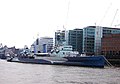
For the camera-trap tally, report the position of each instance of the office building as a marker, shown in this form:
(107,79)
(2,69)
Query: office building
(59,37)
(42,45)
(74,38)
(110,46)
(88,40)
(70,37)
(92,36)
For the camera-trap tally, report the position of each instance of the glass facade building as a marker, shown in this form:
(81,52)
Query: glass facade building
(71,37)
(92,36)
(59,37)
(85,41)
(108,31)
(88,40)
(75,39)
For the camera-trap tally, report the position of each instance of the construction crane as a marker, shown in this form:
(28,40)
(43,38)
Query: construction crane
(107,10)
(117,25)
(114,17)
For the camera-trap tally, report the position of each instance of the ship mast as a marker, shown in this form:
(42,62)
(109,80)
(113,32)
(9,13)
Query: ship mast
(67,16)
(64,26)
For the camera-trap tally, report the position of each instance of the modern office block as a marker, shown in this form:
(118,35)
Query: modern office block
(75,37)
(41,45)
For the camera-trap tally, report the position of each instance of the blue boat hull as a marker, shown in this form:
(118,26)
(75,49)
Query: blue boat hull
(88,61)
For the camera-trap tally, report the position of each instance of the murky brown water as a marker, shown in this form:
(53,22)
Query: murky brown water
(19,73)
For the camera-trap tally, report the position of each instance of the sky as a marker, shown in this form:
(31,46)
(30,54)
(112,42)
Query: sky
(22,21)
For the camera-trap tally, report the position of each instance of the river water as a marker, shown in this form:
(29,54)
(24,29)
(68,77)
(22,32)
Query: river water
(19,73)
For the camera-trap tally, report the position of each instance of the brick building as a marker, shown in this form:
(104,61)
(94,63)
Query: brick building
(111,46)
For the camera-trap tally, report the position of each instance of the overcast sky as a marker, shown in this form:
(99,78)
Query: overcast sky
(22,20)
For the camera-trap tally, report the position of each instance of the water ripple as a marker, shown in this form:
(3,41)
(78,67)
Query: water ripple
(19,73)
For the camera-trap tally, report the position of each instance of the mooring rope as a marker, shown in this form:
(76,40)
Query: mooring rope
(108,63)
